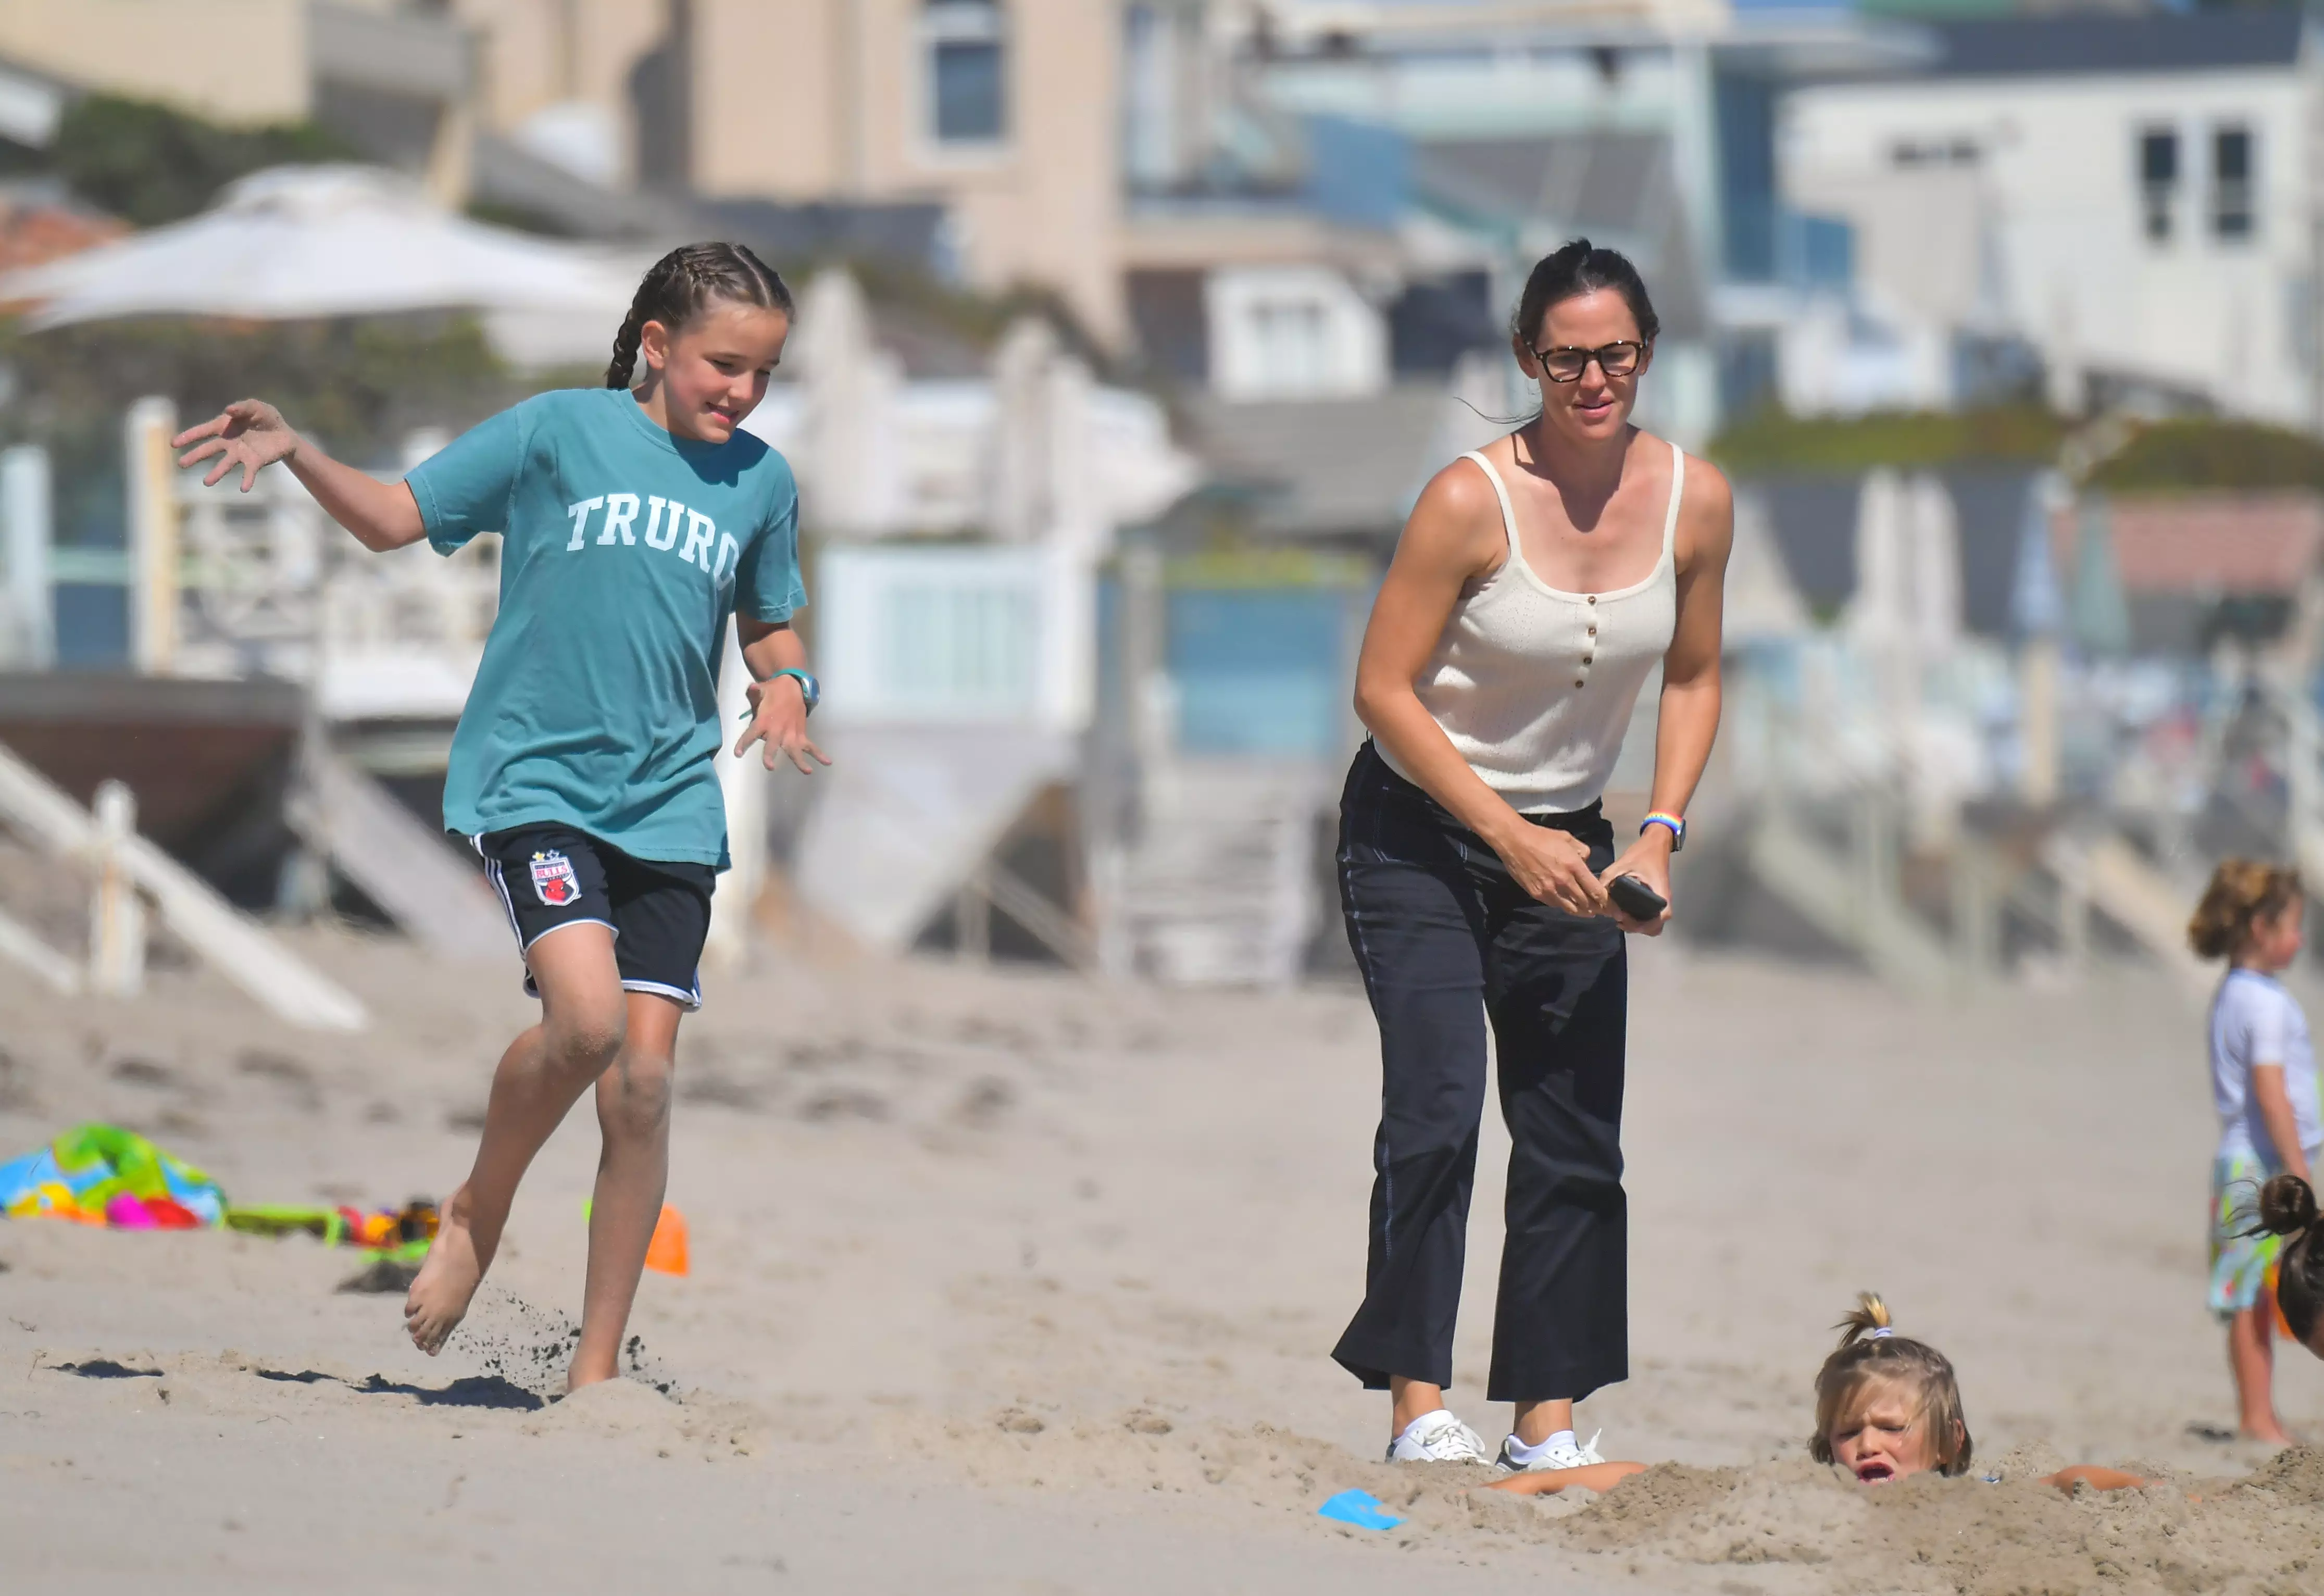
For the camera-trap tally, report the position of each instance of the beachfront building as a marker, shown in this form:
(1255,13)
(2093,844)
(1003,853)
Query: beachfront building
(396,82)
(2130,197)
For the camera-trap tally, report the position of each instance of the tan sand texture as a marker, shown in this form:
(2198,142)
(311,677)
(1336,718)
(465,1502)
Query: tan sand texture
(1013,1282)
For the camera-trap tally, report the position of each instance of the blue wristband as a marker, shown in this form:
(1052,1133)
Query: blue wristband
(810,689)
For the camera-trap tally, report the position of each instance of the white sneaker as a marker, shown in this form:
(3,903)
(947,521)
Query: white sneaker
(1567,1456)
(1437,1438)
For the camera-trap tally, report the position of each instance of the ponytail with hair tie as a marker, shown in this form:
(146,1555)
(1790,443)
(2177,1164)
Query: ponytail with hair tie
(2287,1207)
(1867,1321)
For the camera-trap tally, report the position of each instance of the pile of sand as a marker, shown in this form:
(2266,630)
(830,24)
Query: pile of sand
(2261,1536)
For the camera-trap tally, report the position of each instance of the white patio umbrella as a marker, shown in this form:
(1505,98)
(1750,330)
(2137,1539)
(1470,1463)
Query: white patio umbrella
(296,241)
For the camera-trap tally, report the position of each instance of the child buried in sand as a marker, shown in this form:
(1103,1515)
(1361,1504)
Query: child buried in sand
(1887,1406)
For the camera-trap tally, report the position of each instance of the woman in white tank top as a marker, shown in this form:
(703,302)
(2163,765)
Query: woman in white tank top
(1538,583)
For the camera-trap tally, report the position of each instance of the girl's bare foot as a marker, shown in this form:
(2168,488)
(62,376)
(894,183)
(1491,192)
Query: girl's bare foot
(2273,1434)
(449,1277)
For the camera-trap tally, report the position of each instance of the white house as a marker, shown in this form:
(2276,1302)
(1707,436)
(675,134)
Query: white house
(2131,195)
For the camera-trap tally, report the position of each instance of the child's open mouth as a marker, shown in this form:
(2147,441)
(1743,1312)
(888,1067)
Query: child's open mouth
(1876,1472)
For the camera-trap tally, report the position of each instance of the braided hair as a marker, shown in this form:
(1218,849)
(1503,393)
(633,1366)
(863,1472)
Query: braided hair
(684,283)
(1870,1352)
(2287,1207)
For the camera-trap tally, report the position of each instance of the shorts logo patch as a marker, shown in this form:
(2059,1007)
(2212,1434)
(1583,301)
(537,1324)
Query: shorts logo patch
(553,881)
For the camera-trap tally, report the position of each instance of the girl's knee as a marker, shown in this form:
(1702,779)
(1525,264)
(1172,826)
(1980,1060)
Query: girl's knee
(588,1041)
(634,1097)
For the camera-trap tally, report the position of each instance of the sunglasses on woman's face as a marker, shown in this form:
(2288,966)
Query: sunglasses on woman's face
(1564,364)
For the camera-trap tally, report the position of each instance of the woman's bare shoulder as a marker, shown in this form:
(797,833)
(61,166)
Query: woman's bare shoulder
(1706,511)
(1462,488)
(1457,517)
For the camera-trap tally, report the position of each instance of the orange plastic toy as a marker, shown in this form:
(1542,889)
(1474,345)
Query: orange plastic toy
(667,1250)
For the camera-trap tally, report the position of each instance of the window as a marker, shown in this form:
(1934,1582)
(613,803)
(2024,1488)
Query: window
(2158,180)
(2231,182)
(966,70)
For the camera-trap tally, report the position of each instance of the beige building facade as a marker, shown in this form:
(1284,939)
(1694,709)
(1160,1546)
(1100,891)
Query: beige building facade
(396,80)
(1004,111)
(234,60)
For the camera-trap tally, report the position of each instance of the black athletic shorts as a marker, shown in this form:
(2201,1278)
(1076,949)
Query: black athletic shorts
(658,909)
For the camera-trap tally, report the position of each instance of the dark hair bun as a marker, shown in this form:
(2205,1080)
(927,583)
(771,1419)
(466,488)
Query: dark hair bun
(2287,1205)
(1578,267)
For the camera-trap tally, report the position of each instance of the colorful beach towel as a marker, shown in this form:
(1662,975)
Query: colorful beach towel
(103,1175)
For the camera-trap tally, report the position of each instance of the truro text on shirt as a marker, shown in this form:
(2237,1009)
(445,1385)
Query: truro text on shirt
(619,525)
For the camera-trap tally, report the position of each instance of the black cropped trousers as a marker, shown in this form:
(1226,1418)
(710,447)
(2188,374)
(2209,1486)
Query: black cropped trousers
(1446,940)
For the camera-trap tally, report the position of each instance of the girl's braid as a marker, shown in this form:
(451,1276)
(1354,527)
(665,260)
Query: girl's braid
(681,283)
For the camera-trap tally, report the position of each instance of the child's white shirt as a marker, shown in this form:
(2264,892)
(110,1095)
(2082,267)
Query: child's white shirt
(2255,1022)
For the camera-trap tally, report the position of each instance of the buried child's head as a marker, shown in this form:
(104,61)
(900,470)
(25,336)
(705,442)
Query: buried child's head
(1887,1406)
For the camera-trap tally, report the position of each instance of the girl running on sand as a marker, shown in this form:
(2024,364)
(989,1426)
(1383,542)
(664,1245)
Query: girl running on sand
(632,523)
(2264,1086)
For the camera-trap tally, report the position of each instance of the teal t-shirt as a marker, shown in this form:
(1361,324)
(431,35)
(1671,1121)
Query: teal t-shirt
(623,551)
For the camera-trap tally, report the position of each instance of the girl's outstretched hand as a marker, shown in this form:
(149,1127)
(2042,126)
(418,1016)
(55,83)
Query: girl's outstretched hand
(249,433)
(779,719)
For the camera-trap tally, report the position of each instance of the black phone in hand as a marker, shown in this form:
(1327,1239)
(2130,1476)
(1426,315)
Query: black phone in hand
(1636,899)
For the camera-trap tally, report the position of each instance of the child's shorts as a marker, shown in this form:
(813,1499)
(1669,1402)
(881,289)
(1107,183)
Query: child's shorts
(551,876)
(2241,1266)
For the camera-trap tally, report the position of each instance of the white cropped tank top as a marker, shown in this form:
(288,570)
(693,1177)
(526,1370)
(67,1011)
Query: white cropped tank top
(1534,686)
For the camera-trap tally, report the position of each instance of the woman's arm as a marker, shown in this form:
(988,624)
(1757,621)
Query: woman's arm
(777,703)
(253,435)
(2275,1111)
(1687,718)
(1550,1481)
(1454,536)
(2096,1478)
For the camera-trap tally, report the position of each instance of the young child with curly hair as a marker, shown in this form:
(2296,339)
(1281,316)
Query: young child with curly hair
(2263,1087)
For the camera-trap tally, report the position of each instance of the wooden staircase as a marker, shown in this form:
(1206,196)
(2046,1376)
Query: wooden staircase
(1219,888)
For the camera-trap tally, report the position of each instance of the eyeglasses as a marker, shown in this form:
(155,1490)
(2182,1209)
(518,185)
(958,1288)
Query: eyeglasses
(1616,360)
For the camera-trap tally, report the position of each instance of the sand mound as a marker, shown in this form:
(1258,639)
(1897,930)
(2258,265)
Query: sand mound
(2295,1474)
(2016,1537)
(2012,1536)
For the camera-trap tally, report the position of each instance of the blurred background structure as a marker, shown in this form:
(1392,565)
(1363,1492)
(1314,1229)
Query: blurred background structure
(1129,330)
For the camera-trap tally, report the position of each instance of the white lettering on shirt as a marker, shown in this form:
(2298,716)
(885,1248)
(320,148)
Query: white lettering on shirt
(701,535)
(727,549)
(656,538)
(580,514)
(620,513)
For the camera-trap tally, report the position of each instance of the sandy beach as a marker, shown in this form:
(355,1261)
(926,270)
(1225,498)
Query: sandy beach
(1009,1281)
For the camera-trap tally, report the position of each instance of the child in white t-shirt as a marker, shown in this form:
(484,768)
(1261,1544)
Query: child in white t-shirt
(2264,1086)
